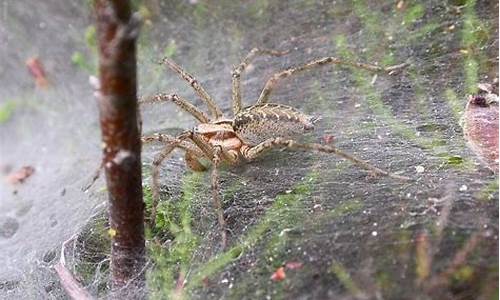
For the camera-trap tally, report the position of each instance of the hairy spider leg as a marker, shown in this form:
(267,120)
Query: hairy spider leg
(197,147)
(155,184)
(253,152)
(236,73)
(271,82)
(192,152)
(214,109)
(162,97)
(216,196)
(179,101)
(218,154)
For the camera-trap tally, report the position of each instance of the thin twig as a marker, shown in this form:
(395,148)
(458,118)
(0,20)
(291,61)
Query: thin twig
(72,287)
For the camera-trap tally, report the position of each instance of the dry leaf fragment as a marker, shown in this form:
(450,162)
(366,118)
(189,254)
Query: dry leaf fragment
(279,274)
(400,5)
(20,175)
(294,265)
(38,72)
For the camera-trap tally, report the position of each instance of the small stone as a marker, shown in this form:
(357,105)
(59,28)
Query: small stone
(419,169)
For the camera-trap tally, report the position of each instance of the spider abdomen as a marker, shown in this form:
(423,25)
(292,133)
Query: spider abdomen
(258,123)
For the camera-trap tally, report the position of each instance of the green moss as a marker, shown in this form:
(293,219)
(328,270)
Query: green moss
(413,14)
(147,196)
(278,217)
(423,32)
(175,216)
(91,37)
(384,281)
(200,14)
(289,217)
(376,32)
(471,67)
(455,160)
(383,112)
(348,207)
(258,9)
(489,191)
(420,96)
(475,34)
(213,266)
(235,187)
(370,20)
(388,59)
(174,219)
(6,110)
(373,97)
(171,49)
(463,274)
(81,62)
(456,106)
(405,242)
(345,278)
(94,237)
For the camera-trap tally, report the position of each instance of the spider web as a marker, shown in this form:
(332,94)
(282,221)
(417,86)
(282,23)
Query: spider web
(349,235)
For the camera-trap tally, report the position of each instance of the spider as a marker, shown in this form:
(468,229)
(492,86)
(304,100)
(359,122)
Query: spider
(249,133)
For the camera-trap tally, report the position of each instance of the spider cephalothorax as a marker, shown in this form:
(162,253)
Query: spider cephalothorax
(251,131)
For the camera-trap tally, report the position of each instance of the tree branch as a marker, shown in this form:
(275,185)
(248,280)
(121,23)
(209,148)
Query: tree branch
(117,30)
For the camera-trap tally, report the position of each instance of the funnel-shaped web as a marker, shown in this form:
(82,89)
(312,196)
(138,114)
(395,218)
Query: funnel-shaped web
(338,232)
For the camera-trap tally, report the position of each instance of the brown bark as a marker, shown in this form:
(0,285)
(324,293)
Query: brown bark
(117,31)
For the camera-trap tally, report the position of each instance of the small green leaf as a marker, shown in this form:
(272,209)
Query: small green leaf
(6,111)
(79,60)
(455,160)
(171,49)
(90,37)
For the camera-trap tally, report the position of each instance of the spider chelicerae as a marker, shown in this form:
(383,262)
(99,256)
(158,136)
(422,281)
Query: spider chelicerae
(249,133)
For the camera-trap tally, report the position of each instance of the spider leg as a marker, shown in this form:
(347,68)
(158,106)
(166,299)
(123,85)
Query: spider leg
(181,102)
(236,73)
(217,153)
(168,139)
(194,143)
(271,82)
(193,153)
(162,138)
(157,137)
(251,153)
(155,184)
(216,197)
(216,112)
(209,150)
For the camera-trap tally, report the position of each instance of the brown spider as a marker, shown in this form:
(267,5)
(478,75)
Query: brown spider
(248,134)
